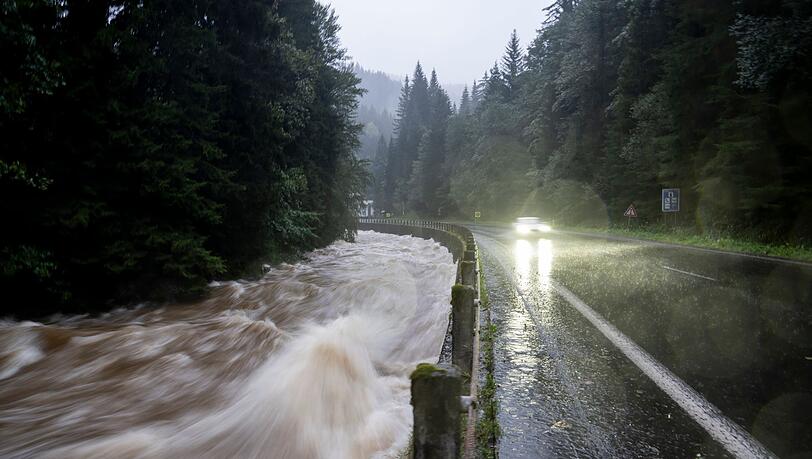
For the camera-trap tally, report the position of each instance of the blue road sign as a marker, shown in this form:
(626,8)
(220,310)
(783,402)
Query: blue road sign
(670,199)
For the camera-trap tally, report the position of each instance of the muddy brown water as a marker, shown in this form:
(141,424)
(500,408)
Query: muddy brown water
(312,360)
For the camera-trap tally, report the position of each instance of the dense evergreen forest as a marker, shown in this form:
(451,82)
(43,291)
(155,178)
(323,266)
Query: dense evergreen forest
(613,101)
(147,148)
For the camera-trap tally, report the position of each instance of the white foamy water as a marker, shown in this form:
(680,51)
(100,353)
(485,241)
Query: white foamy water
(311,361)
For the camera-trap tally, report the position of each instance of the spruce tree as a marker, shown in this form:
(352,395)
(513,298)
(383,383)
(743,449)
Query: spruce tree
(476,94)
(512,64)
(401,141)
(465,102)
(378,171)
(411,128)
(495,87)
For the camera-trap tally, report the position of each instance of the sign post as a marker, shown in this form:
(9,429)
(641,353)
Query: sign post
(630,213)
(670,202)
(477,214)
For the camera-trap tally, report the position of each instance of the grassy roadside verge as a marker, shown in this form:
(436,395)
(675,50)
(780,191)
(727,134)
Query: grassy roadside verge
(487,428)
(691,238)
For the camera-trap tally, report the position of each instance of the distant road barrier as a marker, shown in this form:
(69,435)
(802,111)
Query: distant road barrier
(442,392)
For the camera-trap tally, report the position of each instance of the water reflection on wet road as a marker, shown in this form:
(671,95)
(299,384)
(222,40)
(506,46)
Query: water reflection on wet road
(566,391)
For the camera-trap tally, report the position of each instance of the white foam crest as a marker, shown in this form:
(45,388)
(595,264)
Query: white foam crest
(19,347)
(320,398)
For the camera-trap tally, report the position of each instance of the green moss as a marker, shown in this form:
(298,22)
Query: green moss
(425,370)
(487,429)
(457,290)
(486,340)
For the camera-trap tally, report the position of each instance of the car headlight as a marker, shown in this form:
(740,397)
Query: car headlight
(523,229)
(545,228)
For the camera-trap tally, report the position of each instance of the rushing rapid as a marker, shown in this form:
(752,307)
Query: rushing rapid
(312,360)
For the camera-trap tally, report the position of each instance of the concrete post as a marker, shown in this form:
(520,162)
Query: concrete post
(436,409)
(468,269)
(462,327)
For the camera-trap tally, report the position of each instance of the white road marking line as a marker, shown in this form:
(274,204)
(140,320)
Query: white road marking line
(688,273)
(610,237)
(730,435)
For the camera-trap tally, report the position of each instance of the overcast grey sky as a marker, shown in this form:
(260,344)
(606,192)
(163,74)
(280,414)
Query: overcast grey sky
(460,38)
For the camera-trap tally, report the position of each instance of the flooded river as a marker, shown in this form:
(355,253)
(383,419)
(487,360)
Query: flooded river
(312,360)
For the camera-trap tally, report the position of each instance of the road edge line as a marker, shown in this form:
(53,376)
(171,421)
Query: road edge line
(676,245)
(729,434)
(688,273)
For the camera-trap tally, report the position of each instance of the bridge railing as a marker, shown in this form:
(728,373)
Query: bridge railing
(441,393)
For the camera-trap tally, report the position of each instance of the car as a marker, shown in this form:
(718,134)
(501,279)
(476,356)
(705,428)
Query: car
(531,225)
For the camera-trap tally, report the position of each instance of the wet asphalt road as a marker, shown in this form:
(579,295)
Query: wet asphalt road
(737,330)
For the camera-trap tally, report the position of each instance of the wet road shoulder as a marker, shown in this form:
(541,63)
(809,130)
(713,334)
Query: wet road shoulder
(564,389)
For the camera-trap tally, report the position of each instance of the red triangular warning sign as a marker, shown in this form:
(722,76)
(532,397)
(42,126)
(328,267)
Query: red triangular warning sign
(630,212)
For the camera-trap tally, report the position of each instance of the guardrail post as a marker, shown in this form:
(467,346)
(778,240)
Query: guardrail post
(468,271)
(463,316)
(436,409)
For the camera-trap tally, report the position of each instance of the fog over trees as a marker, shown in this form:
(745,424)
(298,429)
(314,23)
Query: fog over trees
(375,109)
(610,103)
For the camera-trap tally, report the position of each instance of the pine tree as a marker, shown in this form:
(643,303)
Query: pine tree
(428,174)
(403,102)
(495,87)
(412,126)
(379,172)
(512,64)
(465,102)
(559,9)
(476,94)
(419,96)
(399,142)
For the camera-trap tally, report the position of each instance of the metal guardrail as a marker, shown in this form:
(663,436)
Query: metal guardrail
(439,395)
